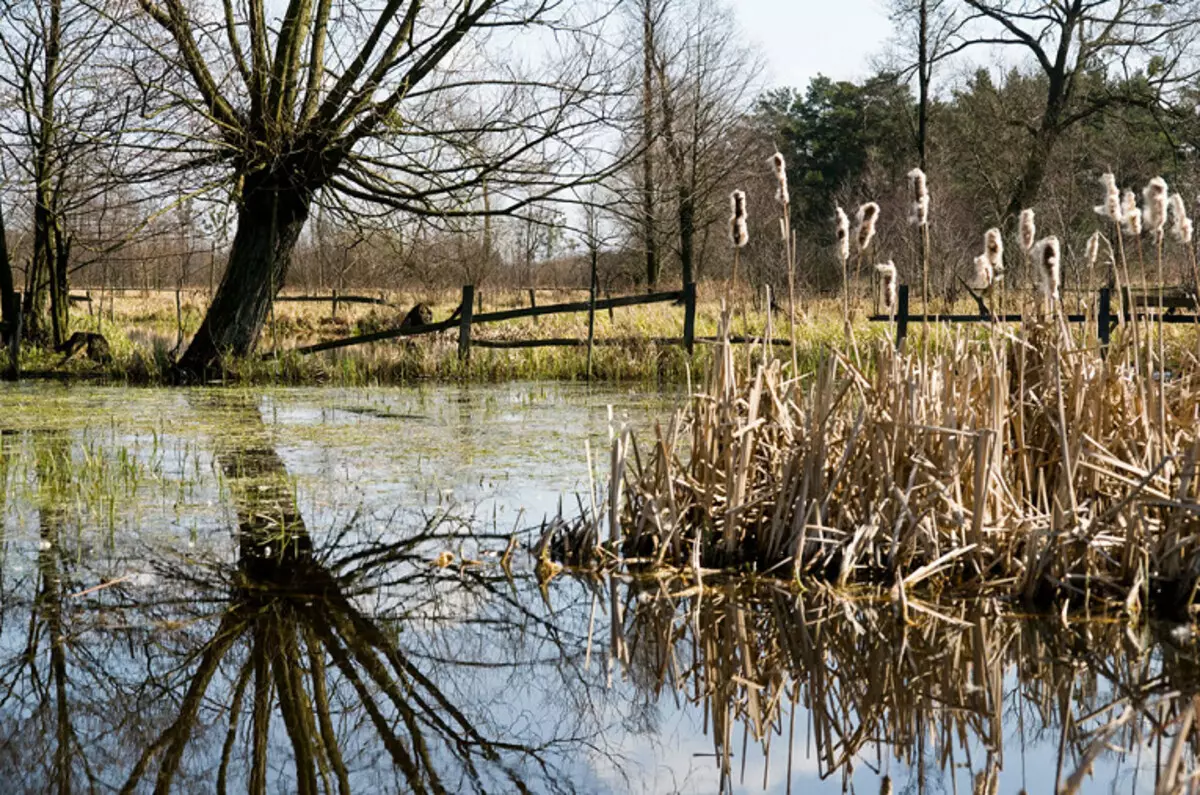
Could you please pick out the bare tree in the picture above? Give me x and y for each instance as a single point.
(399, 107)
(1068, 39)
(60, 132)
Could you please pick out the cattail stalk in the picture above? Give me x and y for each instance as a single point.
(842, 223)
(1155, 196)
(779, 166)
(868, 216)
(919, 216)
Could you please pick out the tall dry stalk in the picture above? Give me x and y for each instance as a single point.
(782, 196)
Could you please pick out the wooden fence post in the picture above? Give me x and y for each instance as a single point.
(591, 340)
(1104, 319)
(333, 311)
(689, 317)
(464, 324)
(901, 315)
(533, 305)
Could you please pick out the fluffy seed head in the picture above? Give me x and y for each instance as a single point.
(1093, 249)
(1181, 225)
(1028, 229)
(1047, 259)
(887, 278)
(868, 214)
(981, 273)
(918, 213)
(1154, 197)
(1131, 214)
(843, 233)
(1111, 208)
(780, 166)
(993, 249)
(739, 233)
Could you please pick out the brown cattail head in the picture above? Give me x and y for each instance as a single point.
(843, 233)
(868, 215)
(1181, 225)
(885, 786)
(780, 167)
(887, 278)
(918, 213)
(1046, 257)
(1154, 199)
(1093, 249)
(739, 233)
(1131, 214)
(1111, 208)
(1028, 230)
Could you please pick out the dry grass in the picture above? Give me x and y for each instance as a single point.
(144, 331)
(1022, 465)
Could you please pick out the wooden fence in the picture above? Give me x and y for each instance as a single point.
(465, 319)
(1133, 305)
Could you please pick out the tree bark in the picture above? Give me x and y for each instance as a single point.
(8, 290)
(924, 73)
(270, 218)
(652, 265)
(687, 234)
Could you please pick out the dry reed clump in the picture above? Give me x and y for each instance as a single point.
(1013, 466)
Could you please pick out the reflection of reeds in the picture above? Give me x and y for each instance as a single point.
(1016, 467)
(876, 686)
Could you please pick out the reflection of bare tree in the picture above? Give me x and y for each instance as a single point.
(302, 653)
(870, 685)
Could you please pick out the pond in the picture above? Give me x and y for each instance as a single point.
(307, 591)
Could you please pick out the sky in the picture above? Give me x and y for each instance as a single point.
(801, 38)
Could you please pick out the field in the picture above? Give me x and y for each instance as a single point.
(143, 328)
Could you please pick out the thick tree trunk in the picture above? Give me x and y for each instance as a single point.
(270, 219)
(8, 290)
(687, 235)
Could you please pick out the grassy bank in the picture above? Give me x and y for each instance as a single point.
(144, 329)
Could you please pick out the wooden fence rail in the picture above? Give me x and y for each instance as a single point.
(1105, 317)
(465, 318)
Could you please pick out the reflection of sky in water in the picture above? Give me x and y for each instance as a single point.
(144, 491)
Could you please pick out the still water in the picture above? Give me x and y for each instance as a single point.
(306, 591)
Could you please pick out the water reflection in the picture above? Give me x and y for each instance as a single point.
(297, 656)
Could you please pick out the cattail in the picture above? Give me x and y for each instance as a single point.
(1028, 230)
(885, 786)
(843, 234)
(780, 166)
(981, 273)
(1181, 225)
(1154, 197)
(1112, 198)
(1131, 214)
(868, 214)
(1047, 258)
(887, 278)
(993, 249)
(1093, 250)
(739, 234)
(919, 212)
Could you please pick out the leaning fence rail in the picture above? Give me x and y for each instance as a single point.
(465, 319)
